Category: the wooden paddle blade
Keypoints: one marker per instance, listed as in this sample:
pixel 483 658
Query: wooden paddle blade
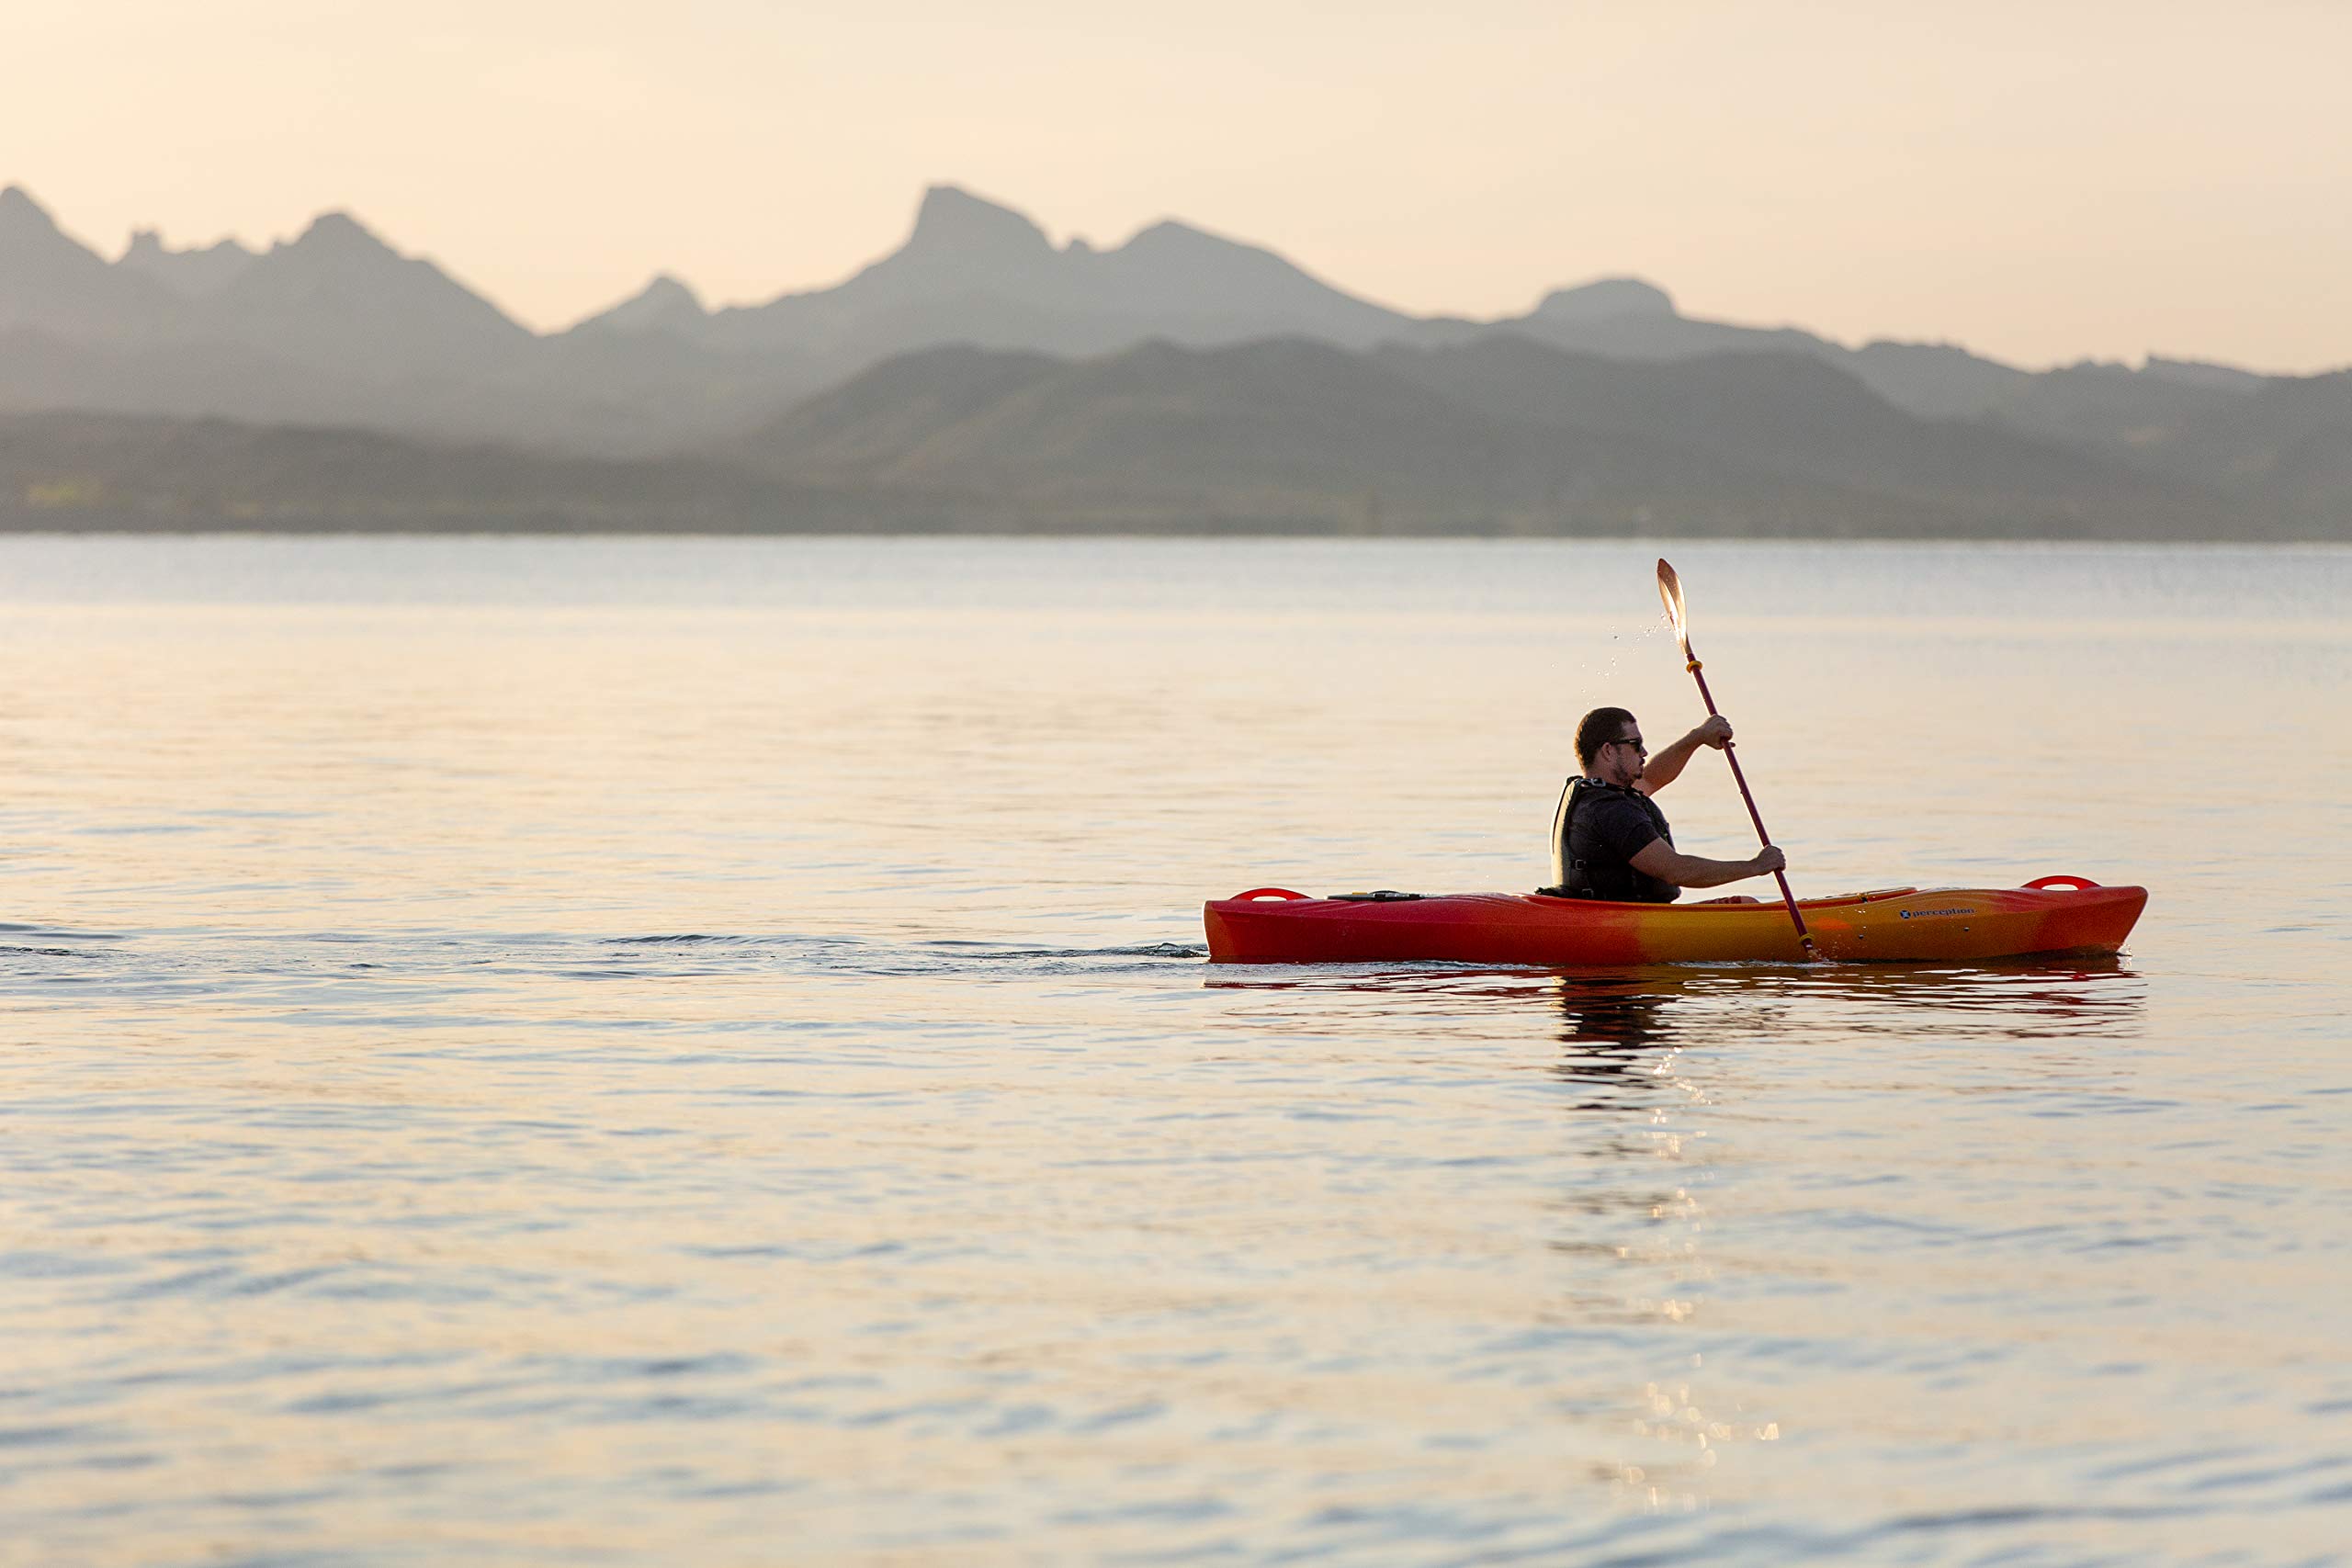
pixel 1669 589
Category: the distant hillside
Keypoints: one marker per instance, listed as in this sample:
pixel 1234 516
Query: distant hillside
pixel 2288 446
pixel 1796 415
pixel 871 428
pixel 1497 435
pixel 1284 434
pixel 73 470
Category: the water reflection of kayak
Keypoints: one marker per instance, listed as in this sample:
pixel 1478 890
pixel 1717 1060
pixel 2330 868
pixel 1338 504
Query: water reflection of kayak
pixel 2050 914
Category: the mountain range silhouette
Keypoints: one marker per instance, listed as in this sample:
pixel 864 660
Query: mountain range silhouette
pixel 982 375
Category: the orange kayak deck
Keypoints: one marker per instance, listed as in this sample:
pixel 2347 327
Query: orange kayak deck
pixel 2050 915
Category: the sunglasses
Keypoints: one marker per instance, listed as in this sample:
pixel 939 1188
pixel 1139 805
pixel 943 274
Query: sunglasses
pixel 1636 744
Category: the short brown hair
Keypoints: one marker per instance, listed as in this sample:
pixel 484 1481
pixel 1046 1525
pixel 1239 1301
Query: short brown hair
pixel 1597 729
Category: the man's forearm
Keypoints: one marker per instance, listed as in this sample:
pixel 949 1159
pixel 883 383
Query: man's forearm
pixel 1666 767
pixel 1705 872
pixel 1692 871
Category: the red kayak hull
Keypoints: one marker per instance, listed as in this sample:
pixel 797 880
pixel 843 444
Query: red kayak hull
pixel 1904 924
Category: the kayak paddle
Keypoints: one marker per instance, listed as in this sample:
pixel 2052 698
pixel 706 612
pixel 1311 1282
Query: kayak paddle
pixel 1670 588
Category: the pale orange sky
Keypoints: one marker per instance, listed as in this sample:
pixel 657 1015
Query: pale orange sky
pixel 2042 182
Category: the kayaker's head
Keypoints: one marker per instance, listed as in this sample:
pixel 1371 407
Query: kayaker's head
pixel 1610 748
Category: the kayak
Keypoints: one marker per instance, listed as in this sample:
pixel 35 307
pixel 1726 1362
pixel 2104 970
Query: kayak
pixel 2048 915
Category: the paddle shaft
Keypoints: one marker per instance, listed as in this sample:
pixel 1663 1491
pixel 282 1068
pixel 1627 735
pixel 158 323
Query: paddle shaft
pixel 1740 779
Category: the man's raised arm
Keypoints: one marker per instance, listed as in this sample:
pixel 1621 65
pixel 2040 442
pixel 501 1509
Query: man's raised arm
pixel 1666 767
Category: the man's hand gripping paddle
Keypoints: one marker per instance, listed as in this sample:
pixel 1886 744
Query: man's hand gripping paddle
pixel 1670 588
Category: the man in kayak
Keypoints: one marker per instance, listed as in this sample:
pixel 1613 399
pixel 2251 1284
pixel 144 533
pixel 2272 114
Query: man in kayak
pixel 1610 840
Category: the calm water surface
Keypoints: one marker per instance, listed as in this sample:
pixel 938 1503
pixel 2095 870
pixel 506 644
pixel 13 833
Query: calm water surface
pixel 631 1052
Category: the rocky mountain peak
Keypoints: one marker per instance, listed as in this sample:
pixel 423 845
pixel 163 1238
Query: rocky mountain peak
pixel 952 218
pixel 337 234
pixel 667 303
pixel 670 291
pixel 339 295
pixel 26 229
pixel 17 206
pixel 1605 298
pixel 51 281
pixel 191 272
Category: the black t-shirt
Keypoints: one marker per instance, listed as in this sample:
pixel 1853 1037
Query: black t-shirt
pixel 1613 825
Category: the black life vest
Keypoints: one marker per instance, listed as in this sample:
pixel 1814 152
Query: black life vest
pixel 1575 877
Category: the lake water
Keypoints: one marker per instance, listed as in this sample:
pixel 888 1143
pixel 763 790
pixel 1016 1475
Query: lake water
pixel 525 1051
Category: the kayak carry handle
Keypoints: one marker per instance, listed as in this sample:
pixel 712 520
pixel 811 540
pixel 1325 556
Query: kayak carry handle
pixel 1265 893
pixel 2071 883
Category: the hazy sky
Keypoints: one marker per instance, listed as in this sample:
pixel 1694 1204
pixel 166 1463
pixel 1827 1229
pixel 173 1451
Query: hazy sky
pixel 2043 182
